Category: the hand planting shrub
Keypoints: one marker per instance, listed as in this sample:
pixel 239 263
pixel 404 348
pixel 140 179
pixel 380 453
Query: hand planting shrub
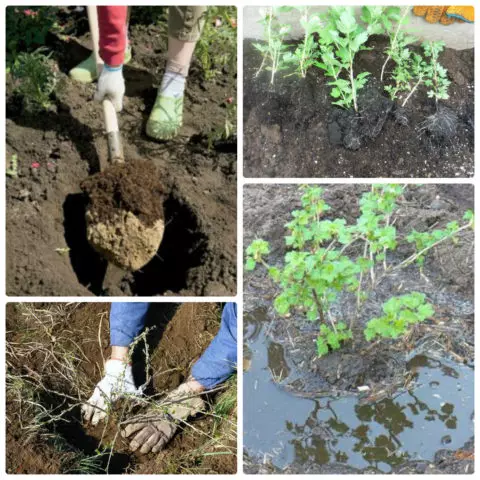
pixel 34 79
pixel 306 53
pixel 327 257
pixel 274 49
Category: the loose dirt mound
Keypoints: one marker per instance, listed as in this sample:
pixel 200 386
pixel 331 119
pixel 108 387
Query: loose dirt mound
pixel 57 376
pixel 125 213
pixel 133 186
pixel 292 130
pixel 48 251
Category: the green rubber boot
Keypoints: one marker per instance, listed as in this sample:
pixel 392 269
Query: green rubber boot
pixel 86 71
pixel 166 118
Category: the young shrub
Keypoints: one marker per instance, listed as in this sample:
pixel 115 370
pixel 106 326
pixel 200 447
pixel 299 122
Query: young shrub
pixel 306 52
pixel 34 79
pixel 441 125
pixel 399 40
pixel 340 40
pixel 400 314
pixel 273 49
pixel 327 256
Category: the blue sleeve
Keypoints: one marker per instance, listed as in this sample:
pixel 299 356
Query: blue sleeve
pixel 219 360
pixel 126 321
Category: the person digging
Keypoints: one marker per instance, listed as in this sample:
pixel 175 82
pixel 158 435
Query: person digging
pixel 151 432
pixel 185 25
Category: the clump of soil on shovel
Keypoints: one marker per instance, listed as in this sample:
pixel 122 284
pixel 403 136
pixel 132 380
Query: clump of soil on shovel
pixel 125 213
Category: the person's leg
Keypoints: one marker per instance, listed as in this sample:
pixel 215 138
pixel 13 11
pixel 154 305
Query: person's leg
pixel 219 360
pixel 86 71
pixel 185 25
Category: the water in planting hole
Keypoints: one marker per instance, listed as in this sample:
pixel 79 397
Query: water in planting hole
pixel 283 429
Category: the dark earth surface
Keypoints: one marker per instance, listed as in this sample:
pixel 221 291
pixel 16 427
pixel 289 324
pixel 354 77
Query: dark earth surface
pixel 292 130
pixel 447 280
pixel 133 186
pixel 47 250
pixel 82 335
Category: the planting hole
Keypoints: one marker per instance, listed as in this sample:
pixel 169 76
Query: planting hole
pixel 182 248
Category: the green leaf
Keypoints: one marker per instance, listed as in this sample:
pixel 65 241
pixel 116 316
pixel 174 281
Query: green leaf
pixel 250 264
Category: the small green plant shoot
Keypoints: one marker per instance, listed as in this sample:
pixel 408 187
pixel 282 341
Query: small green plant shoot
pixel 34 79
pixel 305 54
pixel 327 256
pixel 274 48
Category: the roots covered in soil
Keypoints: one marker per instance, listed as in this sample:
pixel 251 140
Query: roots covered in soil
pixel 132 186
pixel 351 129
pixel 440 127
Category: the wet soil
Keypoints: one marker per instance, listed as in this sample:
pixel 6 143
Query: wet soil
pixel 299 377
pixel 48 253
pixel 81 333
pixel 292 130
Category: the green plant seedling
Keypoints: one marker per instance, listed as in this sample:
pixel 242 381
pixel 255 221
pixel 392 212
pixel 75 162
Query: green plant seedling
pixel 274 48
pixel 341 39
pixel 35 80
pixel 400 314
pixel 436 75
pixel 306 53
pixel 399 40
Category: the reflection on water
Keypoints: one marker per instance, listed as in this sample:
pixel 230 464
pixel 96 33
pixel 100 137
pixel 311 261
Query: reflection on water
pixel 435 414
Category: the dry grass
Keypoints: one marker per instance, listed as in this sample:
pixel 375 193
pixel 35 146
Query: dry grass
pixel 46 385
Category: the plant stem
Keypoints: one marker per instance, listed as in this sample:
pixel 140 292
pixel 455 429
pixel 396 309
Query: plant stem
pixel 320 310
pixel 414 257
pixel 413 90
pixel 394 41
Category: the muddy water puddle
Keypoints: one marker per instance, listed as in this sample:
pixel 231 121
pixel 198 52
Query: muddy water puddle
pixel 434 413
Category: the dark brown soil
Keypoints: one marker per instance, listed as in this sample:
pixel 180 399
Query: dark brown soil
pixel 133 186
pixel 292 130
pixel 82 332
pixel 48 253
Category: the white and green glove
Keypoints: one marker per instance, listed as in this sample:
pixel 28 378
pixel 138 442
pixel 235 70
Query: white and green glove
pixel 111 85
pixel 117 383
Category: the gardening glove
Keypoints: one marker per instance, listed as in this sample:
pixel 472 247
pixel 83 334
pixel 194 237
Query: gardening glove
pixel 111 85
pixel 117 382
pixel 156 428
pixel 445 15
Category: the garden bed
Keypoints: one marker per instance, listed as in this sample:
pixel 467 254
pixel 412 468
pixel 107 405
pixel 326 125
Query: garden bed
pixel 48 253
pixel 48 436
pixel 288 379
pixel 291 129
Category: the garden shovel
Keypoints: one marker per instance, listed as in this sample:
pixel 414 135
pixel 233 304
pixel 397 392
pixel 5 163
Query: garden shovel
pixel 126 252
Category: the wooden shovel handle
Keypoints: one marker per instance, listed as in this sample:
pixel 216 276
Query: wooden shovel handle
pixel 109 113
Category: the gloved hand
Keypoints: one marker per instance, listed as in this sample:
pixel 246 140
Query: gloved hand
pixel 117 382
pixel 446 15
pixel 111 85
pixel 157 427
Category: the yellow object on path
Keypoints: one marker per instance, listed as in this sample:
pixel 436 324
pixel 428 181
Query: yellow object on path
pixel 446 15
